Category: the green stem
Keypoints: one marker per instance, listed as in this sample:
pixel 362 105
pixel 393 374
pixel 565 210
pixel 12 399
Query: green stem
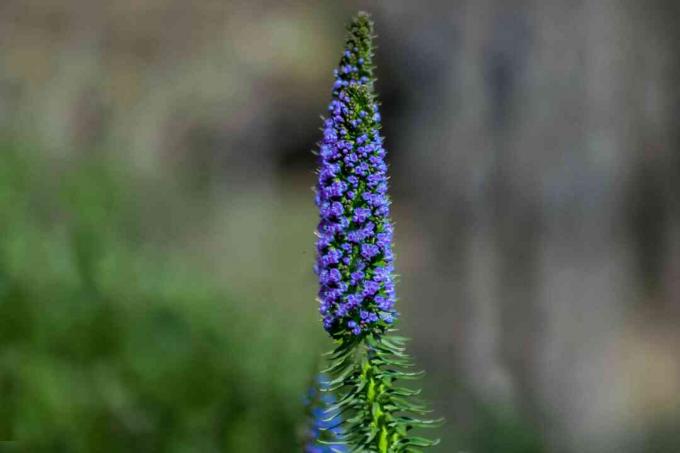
pixel 380 414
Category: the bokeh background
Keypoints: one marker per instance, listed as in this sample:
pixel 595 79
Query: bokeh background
pixel 156 219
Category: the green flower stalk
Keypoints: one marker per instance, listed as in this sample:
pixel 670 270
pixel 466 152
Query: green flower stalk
pixel 355 264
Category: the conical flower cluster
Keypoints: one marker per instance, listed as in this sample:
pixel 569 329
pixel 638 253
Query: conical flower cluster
pixel 354 246
pixel 355 266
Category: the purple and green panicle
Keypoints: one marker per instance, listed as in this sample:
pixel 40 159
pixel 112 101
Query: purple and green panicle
pixel 355 265
pixel 354 245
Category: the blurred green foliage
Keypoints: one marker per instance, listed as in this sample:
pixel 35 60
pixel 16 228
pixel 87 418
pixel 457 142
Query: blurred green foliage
pixel 112 342
pixel 500 429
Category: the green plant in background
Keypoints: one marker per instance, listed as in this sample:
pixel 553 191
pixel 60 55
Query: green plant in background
pixel 112 343
pixel 355 264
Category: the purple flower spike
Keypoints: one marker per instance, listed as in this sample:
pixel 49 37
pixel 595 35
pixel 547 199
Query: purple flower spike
pixel 354 249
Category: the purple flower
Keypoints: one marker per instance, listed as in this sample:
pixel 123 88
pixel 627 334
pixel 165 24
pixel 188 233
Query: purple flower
pixel 354 300
pixel 368 251
pixel 357 289
pixel 387 317
pixel 361 214
pixel 370 287
pixel 332 257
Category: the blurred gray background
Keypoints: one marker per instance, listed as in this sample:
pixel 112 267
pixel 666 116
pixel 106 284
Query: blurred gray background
pixel 535 162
